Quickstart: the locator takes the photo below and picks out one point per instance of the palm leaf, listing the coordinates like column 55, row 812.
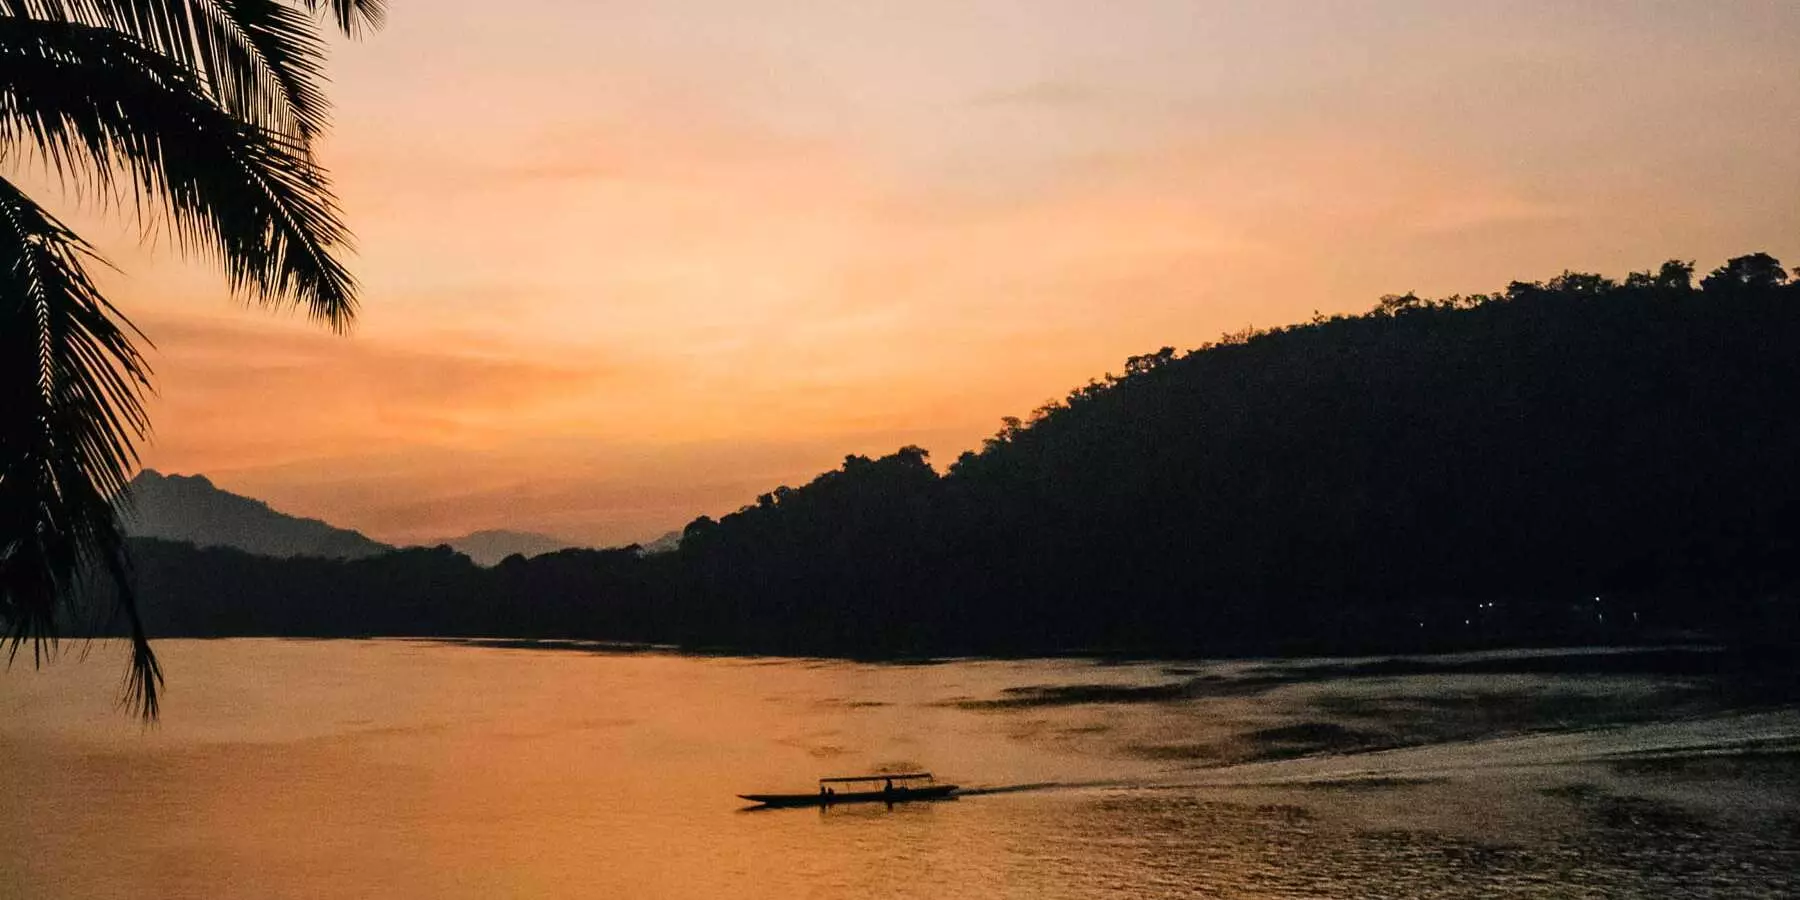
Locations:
column 353, row 15
column 95, row 99
column 70, row 380
column 262, row 60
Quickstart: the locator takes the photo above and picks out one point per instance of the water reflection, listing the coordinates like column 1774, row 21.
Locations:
column 398, row 769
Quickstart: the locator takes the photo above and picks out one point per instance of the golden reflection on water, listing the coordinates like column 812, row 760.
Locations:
column 410, row 769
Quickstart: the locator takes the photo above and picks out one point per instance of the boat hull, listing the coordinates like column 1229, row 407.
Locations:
column 897, row 795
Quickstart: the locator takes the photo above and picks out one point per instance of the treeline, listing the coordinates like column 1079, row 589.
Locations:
column 1572, row 460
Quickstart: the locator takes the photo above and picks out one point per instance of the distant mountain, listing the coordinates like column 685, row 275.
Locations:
column 488, row 548
column 190, row 508
column 668, row 543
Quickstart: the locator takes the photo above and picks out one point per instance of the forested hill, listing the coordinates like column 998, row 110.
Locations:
column 1562, row 460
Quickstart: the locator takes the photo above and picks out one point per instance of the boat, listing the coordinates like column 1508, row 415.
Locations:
column 898, row 788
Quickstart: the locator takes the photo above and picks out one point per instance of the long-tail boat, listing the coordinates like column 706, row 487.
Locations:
column 898, row 788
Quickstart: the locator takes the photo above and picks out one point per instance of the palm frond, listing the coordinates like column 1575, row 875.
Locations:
column 252, row 198
column 262, row 60
column 353, row 16
column 70, row 410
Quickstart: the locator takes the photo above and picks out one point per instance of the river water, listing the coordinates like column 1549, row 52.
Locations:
column 403, row 769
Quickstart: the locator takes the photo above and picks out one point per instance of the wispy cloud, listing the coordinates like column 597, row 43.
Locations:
column 245, row 394
column 626, row 263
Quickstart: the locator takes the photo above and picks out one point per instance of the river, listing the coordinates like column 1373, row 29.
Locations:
column 418, row 769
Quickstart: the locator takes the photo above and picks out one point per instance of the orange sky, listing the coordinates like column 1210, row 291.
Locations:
column 626, row 263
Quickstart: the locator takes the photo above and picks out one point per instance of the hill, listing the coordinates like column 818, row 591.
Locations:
column 665, row 543
column 190, row 508
column 1547, row 458
column 1580, row 459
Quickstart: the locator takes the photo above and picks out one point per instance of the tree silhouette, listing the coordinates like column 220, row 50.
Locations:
column 207, row 110
column 1755, row 272
column 1574, row 460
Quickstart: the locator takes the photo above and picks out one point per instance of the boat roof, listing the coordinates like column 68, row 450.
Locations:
column 895, row 777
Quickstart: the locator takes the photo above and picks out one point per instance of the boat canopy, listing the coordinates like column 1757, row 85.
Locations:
column 909, row 776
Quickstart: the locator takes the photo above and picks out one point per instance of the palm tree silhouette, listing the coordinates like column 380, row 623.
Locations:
column 204, row 112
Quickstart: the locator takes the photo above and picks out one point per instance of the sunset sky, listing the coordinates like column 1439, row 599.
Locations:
column 626, row 263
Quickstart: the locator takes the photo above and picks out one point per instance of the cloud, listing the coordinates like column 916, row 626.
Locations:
column 258, row 393
column 621, row 274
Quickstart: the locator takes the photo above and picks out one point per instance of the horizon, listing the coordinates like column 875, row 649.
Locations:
column 439, row 540
column 1276, row 448
column 734, row 259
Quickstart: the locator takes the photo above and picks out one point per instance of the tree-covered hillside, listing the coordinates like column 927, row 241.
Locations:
column 1563, row 460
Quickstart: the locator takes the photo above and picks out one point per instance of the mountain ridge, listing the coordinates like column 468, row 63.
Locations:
column 488, row 546
column 192, row 509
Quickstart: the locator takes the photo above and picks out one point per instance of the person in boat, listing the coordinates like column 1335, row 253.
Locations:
column 887, row 790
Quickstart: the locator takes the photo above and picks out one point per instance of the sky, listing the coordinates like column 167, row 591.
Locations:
column 628, row 263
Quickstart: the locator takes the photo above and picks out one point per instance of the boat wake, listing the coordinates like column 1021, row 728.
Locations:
column 1044, row 786
column 1735, row 734
column 1775, row 732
